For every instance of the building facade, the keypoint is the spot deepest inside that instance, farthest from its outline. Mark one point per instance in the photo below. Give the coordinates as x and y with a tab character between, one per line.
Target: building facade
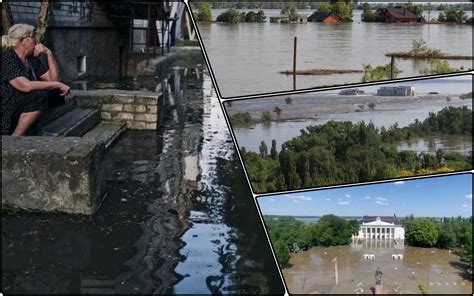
401	90
381	228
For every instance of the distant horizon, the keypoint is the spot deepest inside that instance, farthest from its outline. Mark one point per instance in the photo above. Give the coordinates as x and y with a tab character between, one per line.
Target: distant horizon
436	197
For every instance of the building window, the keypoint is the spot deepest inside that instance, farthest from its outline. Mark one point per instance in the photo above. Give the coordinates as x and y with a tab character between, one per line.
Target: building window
81	65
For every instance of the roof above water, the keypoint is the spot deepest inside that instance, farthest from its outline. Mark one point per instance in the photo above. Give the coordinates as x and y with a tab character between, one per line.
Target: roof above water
400	12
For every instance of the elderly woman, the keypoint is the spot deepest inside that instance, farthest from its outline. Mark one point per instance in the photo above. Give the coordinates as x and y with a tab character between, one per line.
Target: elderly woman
28	86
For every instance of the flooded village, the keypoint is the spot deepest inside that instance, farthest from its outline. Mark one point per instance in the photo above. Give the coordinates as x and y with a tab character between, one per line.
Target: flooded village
330	51
165	188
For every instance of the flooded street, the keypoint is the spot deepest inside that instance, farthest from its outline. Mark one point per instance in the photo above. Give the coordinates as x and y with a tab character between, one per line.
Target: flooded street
313	272
247	58
171	221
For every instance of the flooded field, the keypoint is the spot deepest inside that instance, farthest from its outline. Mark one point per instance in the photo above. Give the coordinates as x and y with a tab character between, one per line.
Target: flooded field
171	221
312	271
246	58
319	109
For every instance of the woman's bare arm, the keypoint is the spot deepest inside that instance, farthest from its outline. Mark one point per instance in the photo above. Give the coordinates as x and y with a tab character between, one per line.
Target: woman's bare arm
24	85
53	70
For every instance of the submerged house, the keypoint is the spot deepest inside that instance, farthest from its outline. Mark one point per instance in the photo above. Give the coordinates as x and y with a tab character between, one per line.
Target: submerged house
351	92
398	14
401	90
325	17
286	19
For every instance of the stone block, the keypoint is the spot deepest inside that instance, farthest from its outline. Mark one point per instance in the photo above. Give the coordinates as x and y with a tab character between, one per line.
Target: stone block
124	116
146	117
106	115
123	98
146	100
151	126
51	174
150	117
152	109
137	125
134	108
112	107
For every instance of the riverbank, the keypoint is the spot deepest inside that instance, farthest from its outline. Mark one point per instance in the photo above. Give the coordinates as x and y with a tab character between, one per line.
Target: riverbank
318	106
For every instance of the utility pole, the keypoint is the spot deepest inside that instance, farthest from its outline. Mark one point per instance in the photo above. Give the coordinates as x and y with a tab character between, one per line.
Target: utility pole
294	63
335	270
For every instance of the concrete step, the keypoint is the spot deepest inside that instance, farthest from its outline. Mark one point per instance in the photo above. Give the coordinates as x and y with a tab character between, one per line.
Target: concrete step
51	115
73	124
106	132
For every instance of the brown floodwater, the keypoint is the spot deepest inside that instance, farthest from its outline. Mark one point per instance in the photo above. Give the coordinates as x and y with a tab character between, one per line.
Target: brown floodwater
313	271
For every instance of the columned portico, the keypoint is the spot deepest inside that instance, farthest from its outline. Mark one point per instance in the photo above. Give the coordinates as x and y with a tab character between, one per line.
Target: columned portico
379	229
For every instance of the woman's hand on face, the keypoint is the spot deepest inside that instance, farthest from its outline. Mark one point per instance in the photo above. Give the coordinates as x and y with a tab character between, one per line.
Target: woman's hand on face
63	89
40	49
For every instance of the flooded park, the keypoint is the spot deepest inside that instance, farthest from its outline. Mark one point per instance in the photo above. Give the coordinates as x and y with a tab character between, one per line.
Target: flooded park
171	221
257	52
312	271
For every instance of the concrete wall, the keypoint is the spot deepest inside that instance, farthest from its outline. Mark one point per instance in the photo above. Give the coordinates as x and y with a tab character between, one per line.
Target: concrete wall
51	174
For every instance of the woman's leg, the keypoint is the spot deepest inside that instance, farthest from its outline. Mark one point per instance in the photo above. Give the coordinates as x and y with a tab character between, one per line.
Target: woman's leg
29	107
25	121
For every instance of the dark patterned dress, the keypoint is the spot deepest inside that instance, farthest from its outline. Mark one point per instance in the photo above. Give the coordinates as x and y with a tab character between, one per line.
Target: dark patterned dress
15	102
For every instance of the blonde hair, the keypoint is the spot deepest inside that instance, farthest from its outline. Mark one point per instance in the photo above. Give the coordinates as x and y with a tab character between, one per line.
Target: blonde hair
15	34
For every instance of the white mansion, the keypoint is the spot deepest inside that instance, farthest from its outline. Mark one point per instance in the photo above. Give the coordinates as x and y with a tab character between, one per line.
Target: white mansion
380	227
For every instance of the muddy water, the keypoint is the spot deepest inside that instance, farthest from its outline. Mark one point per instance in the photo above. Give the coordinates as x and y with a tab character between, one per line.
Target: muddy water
313	271
246	58
170	222
456	143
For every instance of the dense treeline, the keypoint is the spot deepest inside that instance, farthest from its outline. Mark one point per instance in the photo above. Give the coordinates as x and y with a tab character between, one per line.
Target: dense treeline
234	16
346	152
290	235
450	233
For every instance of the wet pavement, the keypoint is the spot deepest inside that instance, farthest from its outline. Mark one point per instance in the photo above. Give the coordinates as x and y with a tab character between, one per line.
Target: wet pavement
313	271
178	216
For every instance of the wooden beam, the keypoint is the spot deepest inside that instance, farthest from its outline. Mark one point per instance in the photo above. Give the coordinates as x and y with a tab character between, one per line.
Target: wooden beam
42	20
7	19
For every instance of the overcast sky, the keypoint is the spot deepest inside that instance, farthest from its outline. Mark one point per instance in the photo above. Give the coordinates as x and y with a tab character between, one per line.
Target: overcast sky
434	197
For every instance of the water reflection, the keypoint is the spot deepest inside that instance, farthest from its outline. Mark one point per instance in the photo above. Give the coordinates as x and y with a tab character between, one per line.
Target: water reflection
171	221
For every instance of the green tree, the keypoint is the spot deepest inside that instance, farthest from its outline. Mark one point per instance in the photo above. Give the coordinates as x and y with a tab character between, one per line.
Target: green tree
421	233
205	13
282	253
263	149
266	117
230	16
379	72
273	150
278	111
415	8
291	11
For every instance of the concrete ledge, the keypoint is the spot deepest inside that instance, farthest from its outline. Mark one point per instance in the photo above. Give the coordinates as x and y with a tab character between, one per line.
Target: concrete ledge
51	174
